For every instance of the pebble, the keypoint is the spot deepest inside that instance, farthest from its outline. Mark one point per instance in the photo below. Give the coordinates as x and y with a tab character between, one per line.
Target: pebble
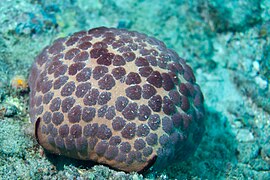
244	135
261	82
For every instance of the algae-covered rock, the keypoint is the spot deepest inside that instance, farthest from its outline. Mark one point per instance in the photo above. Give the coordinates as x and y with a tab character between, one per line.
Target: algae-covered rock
234	15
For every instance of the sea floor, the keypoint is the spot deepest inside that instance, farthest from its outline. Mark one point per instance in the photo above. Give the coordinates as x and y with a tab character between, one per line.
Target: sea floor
226	43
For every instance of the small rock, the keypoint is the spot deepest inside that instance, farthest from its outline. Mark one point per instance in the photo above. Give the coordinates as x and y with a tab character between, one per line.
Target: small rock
256	66
262	83
244	135
11	111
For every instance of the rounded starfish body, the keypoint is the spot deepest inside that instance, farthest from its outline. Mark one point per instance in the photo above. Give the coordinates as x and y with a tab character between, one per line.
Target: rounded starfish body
116	97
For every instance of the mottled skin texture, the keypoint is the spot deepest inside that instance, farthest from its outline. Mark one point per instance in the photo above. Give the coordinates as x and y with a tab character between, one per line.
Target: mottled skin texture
116	97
